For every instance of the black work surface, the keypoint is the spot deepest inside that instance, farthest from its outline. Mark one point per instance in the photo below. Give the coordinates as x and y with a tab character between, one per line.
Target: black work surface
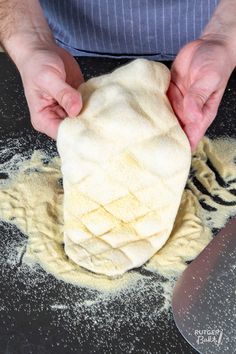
27	323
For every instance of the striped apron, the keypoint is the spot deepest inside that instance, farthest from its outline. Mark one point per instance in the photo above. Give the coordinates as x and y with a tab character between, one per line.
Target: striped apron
155	29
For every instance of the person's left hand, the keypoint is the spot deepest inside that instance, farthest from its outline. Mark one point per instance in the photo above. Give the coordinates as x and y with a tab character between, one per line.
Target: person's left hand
199	76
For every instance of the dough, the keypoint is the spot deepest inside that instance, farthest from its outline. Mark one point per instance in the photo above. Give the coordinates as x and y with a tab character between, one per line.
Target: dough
37	178
125	162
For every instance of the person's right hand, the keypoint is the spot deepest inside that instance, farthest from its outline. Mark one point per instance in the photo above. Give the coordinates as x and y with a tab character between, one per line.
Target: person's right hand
51	77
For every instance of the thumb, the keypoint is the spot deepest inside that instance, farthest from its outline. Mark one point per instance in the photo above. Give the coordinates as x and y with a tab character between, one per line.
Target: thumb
193	117
67	97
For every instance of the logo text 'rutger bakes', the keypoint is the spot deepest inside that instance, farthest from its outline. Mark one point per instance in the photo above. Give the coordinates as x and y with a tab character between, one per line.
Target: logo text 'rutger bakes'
209	336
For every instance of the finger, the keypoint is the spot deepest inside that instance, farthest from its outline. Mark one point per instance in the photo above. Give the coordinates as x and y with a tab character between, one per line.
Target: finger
59	111
195	131
77	80
194	134
211	106
197	96
47	122
176	99
192	107
66	96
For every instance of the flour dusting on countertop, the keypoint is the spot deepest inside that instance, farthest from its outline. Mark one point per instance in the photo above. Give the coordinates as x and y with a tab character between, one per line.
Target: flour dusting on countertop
32	247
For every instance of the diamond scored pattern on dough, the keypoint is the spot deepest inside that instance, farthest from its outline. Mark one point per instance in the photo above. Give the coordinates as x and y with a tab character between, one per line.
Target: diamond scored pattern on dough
120	210
99	222
101	189
127	208
140	223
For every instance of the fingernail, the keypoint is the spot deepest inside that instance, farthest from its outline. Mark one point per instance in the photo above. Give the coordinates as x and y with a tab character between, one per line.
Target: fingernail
75	109
74	106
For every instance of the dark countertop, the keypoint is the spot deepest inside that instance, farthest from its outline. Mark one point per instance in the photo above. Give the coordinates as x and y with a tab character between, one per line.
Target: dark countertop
38	312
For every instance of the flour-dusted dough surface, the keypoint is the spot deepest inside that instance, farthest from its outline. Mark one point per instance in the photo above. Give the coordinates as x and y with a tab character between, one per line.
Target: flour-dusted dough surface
125	161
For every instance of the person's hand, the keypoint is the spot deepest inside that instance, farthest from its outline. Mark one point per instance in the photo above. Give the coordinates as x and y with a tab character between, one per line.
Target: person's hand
51	77
199	76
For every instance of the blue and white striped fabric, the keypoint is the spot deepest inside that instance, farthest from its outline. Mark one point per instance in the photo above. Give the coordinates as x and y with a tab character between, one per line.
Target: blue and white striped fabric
155	29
